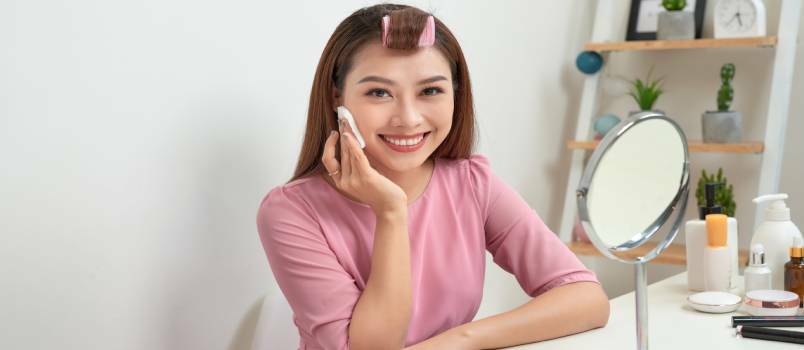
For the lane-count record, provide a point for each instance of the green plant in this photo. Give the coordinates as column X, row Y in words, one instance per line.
column 674, row 5
column 726, row 94
column 724, row 194
column 645, row 93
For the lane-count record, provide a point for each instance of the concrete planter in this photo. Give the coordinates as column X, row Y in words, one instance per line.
column 722, row 127
column 658, row 111
column 675, row 25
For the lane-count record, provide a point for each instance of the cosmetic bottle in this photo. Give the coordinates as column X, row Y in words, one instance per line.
column 757, row 274
column 696, row 241
column 776, row 234
column 794, row 270
column 716, row 259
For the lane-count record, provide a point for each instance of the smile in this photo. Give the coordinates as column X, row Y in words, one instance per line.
column 405, row 143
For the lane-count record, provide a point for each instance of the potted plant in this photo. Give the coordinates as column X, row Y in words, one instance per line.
column 723, row 125
column 675, row 23
column 724, row 194
column 645, row 93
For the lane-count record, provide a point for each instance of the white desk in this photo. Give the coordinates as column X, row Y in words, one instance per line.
column 672, row 325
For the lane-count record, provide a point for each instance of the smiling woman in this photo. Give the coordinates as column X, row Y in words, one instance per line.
column 383, row 247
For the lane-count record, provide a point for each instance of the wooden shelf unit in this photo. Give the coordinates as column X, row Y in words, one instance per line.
column 763, row 41
column 675, row 254
column 606, row 38
column 694, row 147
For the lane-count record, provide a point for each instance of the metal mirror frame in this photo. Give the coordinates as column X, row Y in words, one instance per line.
column 678, row 206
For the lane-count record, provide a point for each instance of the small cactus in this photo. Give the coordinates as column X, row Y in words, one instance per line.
column 674, row 5
column 726, row 93
column 724, row 194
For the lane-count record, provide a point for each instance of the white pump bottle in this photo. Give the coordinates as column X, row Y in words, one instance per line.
column 776, row 234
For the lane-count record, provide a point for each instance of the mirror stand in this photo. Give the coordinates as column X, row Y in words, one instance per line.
column 641, row 292
column 636, row 180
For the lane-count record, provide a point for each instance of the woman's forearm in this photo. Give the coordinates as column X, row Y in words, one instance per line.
column 564, row 310
column 380, row 318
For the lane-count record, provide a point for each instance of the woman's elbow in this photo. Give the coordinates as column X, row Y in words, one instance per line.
column 599, row 308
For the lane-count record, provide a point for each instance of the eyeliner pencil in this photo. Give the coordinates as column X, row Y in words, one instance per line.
column 771, row 334
column 767, row 321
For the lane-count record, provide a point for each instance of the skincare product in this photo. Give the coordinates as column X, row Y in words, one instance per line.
column 771, row 303
column 776, row 234
column 717, row 265
column 714, row 302
column 794, row 269
column 696, row 239
column 757, row 274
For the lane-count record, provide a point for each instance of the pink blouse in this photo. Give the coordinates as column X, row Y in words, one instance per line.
column 319, row 245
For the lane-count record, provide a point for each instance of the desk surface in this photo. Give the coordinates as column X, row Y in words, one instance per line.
column 672, row 325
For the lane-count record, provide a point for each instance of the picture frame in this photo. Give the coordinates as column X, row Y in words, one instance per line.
column 643, row 18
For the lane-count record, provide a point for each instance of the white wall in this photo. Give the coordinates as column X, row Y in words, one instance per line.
column 137, row 139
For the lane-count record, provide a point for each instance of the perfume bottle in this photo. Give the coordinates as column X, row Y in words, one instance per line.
column 794, row 270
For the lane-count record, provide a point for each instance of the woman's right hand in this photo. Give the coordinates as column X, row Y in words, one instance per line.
column 355, row 176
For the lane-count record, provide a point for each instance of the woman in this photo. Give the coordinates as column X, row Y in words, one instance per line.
column 383, row 247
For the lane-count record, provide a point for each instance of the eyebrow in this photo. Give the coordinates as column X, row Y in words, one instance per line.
column 392, row 83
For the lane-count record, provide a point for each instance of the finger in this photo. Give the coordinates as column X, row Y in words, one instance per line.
column 354, row 161
column 343, row 125
column 328, row 158
column 347, row 129
column 346, row 168
column 359, row 161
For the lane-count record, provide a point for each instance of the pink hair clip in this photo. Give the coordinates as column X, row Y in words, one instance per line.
column 427, row 37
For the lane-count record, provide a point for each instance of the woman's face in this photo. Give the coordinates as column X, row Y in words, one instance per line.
column 402, row 102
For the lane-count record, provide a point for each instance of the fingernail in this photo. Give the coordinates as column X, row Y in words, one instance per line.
column 333, row 132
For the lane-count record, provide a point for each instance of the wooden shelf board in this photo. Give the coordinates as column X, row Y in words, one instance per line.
column 694, row 146
column 675, row 254
column 763, row 41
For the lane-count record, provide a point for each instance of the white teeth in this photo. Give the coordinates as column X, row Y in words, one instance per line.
column 404, row 142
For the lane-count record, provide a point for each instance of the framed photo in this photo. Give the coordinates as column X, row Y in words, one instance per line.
column 643, row 18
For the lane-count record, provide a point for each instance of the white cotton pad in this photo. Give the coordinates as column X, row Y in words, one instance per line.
column 714, row 302
column 344, row 114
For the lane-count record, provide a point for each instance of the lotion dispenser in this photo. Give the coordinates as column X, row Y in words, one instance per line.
column 776, row 234
column 696, row 241
column 716, row 258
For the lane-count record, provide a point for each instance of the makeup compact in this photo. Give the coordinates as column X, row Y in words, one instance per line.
column 714, row 302
column 769, row 302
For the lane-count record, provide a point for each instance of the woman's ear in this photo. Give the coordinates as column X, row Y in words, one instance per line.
column 336, row 98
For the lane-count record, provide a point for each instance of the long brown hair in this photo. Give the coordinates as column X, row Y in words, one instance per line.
column 360, row 27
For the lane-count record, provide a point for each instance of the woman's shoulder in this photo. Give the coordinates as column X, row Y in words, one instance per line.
column 474, row 166
column 473, row 175
column 295, row 196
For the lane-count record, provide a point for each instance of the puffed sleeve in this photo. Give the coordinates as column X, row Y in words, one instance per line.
column 517, row 237
column 320, row 292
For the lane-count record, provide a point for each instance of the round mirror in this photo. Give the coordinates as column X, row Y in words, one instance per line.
column 635, row 181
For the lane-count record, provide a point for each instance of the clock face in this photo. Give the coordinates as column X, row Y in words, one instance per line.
column 736, row 16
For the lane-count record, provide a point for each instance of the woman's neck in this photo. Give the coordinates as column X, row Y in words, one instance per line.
column 414, row 182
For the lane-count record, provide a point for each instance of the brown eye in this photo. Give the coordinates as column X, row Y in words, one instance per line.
column 374, row 92
column 433, row 91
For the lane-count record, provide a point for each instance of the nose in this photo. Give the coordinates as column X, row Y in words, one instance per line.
column 406, row 115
